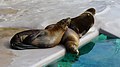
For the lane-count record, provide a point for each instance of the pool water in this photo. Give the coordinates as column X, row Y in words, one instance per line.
column 102, row 51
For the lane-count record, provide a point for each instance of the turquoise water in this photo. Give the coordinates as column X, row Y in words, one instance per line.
column 100, row 52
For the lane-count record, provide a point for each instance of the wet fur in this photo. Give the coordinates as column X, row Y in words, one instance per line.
column 44, row 38
column 78, row 27
column 71, row 41
column 82, row 23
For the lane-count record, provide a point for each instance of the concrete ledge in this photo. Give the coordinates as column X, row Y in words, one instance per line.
column 40, row 57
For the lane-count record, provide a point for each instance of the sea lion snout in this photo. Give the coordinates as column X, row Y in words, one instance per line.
column 92, row 10
column 65, row 22
column 68, row 21
column 73, row 49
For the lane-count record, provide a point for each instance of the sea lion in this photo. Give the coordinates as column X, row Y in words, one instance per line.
column 82, row 23
column 43, row 38
column 71, row 41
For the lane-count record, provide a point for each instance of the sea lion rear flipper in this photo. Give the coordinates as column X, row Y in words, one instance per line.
column 31, row 37
column 21, row 46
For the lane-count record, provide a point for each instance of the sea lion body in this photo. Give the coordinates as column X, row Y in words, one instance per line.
column 82, row 23
column 77, row 28
column 43, row 38
column 71, row 41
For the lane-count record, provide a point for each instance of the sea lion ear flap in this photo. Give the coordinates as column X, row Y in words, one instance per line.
column 91, row 10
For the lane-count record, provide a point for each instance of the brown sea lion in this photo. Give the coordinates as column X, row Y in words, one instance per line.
column 82, row 23
column 43, row 38
column 71, row 41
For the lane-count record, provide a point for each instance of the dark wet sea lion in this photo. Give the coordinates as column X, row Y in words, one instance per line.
column 71, row 41
column 82, row 23
column 79, row 26
column 43, row 38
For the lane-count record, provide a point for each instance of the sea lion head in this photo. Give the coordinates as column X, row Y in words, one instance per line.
column 64, row 22
column 73, row 49
column 91, row 10
column 88, row 17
